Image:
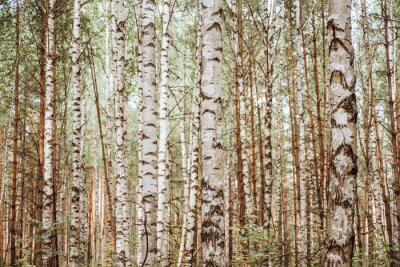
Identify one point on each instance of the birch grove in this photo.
(199, 133)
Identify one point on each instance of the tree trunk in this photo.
(13, 218)
(48, 188)
(149, 135)
(239, 147)
(139, 186)
(268, 124)
(163, 181)
(212, 232)
(76, 256)
(321, 176)
(190, 246)
(343, 171)
(121, 193)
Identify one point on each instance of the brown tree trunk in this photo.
(321, 177)
(12, 223)
(392, 110)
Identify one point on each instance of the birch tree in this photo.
(149, 134)
(121, 195)
(163, 182)
(343, 170)
(212, 232)
(190, 246)
(76, 255)
(48, 208)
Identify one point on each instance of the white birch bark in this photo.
(48, 138)
(190, 246)
(186, 182)
(76, 255)
(268, 122)
(121, 194)
(139, 186)
(163, 182)
(212, 232)
(149, 135)
(340, 234)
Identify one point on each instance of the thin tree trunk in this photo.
(75, 254)
(190, 245)
(239, 147)
(392, 110)
(40, 186)
(48, 189)
(163, 182)
(321, 176)
(139, 189)
(341, 197)
(149, 135)
(13, 218)
(121, 195)
(268, 124)
(212, 231)
(243, 115)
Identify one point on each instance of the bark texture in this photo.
(149, 134)
(212, 232)
(48, 203)
(76, 255)
(163, 181)
(121, 193)
(343, 169)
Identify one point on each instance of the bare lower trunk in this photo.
(121, 193)
(149, 134)
(343, 172)
(190, 245)
(76, 256)
(163, 182)
(48, 194)
(212, 232)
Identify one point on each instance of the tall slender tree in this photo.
(48, 189)
(121, 193)
(163, 182)
(212, 232)
(149, 134)
(190, 245)
(76, 256)
(13, 232)
(343, 170)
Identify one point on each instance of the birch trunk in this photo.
(268, 124)
(76, 255)
(343, 170)
(121, 195)
(212, 232)
(186, 185)
(149, 135)
(139, 186)
(190, 245)
(47, 223)
(163, 181)
(242, 104)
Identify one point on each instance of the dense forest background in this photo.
(199, 133)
